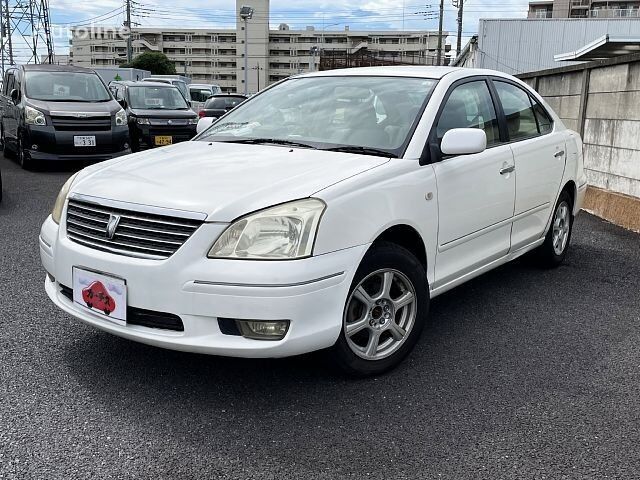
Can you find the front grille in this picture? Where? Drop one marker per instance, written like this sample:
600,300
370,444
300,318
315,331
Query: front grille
141,317
72,124
136,234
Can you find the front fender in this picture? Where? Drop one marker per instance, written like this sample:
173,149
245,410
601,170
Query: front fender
361,208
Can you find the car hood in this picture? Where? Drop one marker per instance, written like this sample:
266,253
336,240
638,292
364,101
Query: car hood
146,113
100,108
222,180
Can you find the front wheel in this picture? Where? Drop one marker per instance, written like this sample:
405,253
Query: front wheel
556,244
385,311
24,159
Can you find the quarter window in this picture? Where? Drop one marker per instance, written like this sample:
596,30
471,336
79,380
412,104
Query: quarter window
516,103
544,120
470,106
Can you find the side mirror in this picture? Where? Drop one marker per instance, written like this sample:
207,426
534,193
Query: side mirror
463,141
15,95
204,123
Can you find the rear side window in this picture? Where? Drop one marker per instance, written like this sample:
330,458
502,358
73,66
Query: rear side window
545,124
470,106
516,103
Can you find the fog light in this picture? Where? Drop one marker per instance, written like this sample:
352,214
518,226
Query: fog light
263,329
34,147
126,146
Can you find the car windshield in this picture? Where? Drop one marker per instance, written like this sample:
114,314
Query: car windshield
200,94
224,102
156,98
374,115
65,87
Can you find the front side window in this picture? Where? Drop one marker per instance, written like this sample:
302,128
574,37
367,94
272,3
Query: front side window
65,87
516,103
470,106
156,98
330,112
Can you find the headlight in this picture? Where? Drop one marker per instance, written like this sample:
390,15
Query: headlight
193,121
33,116
283,232
121,117
143,121
56,214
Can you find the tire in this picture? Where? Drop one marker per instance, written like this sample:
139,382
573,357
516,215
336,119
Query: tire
8,153
89,304
107,312
383,327
556,243
24,160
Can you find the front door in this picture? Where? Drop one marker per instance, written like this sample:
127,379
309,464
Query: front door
476,193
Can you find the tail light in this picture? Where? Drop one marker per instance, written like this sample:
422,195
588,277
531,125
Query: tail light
201,113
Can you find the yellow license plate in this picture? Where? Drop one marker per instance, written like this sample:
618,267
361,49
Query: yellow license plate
164,140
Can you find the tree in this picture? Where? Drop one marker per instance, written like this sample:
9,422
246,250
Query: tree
156,62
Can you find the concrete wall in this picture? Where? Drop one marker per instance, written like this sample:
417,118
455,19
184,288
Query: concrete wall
601,100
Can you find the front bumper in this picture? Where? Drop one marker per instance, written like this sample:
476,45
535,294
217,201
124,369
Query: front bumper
145,135
55,144
311,293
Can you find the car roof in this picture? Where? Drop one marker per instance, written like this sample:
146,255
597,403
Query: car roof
151,83
431,72
45,67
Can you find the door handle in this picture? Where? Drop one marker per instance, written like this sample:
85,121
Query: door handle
559,154
508,169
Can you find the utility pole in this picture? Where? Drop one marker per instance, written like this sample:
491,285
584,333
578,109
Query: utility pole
439,57
459,41
257,68
129,39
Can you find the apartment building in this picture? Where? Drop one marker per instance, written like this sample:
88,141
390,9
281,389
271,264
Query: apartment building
583,9
217,55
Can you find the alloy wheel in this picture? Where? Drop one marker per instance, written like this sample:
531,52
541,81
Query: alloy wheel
380,314
561,228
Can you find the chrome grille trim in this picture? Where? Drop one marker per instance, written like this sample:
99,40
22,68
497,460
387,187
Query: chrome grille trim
139,233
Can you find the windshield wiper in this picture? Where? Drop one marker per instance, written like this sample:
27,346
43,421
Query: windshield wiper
362,150
275,141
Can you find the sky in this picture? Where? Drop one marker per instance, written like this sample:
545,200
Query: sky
332,14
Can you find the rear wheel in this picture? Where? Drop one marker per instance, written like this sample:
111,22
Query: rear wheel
556,244
385,311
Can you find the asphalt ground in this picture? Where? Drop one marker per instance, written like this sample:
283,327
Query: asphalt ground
523,373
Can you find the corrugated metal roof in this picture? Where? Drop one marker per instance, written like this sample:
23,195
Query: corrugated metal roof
524,45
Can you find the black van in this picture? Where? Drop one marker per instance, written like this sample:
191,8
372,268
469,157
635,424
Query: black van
158,113
53,112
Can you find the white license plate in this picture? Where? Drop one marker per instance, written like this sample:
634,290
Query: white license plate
100,293
84,141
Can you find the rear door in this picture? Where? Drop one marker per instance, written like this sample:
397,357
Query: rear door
539,152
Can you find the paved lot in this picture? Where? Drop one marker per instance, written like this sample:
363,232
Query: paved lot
523,373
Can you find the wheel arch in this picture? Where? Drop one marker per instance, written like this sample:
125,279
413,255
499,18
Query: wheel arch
572,189
407,237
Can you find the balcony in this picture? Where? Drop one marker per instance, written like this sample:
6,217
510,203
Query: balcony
614,13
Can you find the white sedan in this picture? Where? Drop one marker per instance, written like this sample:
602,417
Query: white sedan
324,213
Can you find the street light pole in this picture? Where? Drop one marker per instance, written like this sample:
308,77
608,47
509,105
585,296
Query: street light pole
245,14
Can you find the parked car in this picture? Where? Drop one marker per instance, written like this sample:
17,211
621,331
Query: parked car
52,112
200,92
175,81
218,105
158,114
325,212
0,185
